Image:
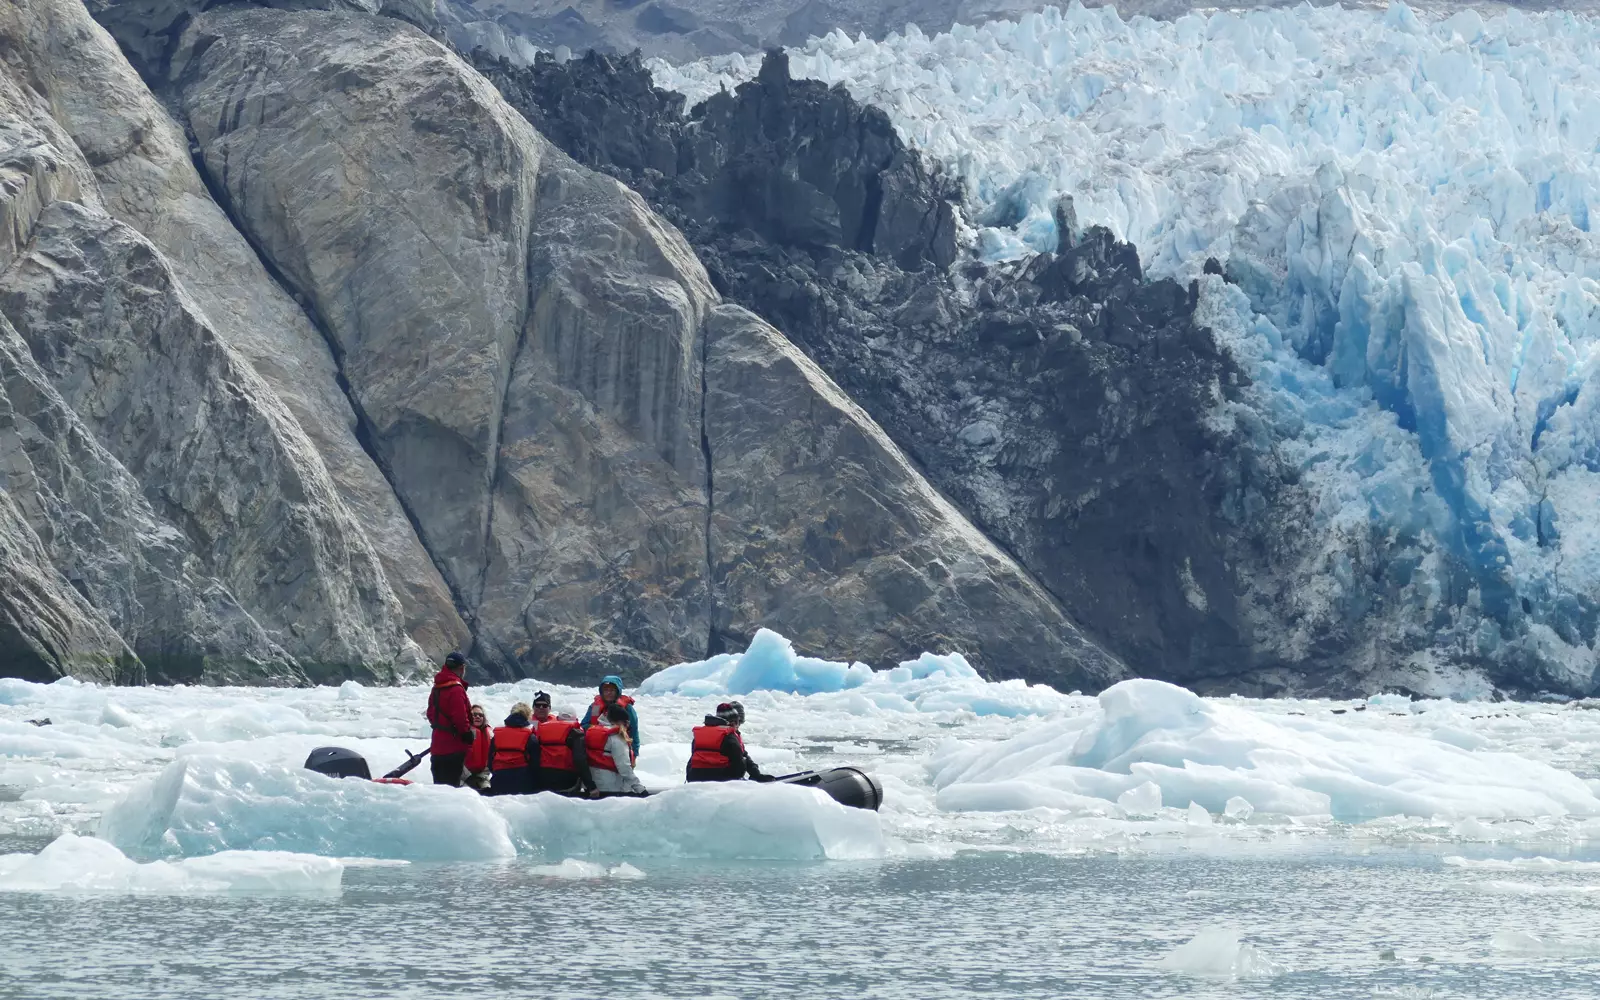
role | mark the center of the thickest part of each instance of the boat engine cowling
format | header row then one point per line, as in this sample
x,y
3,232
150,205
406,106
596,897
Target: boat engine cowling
x,y
337,762
847,786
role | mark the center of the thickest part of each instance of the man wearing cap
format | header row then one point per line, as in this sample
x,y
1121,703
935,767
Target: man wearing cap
x,y
718,753
449,714
559,765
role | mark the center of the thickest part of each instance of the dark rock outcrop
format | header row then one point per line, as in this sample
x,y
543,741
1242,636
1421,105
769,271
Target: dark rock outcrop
x,y
1063,403
798,163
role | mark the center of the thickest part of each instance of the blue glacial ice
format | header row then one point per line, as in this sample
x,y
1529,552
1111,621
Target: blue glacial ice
x,y
932,682
1402,202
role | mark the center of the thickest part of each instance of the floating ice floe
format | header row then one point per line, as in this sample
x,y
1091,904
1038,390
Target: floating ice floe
x,y
85,865
1219,953
713,820
1521,864
577,868
1154,745
204,805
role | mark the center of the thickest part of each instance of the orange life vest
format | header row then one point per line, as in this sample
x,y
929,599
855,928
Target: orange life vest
x,y
554,753
594,741
510,748
598,709
707,747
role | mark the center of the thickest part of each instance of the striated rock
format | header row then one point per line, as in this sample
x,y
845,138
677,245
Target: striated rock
x,y
562,493
392,190
47,629
142,174
218,456
598,550
144,583
822,530
149,30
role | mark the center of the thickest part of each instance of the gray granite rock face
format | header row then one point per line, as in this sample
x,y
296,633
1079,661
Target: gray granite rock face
x,y
393,190
822,530
219,458
598,551
347,358
100,111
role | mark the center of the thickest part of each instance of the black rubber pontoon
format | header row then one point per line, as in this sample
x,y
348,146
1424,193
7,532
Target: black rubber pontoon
x,y
337,762
847,786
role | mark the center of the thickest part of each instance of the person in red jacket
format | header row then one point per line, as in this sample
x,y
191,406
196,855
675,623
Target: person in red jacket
x,y
449,714
717,752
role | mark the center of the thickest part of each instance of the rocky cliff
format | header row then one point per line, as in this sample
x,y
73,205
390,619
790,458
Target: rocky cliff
x,y
1067,406
318,359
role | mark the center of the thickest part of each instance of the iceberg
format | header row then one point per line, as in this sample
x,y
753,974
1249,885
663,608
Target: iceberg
x,y
1403,204
204,805
1153,745
1218,953
930,683
85,865
712,820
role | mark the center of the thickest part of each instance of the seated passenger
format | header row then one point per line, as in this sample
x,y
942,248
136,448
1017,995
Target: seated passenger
x,y
611,694
561,766
512,754
718,753
476,764
610,755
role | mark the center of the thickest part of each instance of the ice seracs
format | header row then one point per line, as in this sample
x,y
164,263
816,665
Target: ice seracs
x,y
1403,204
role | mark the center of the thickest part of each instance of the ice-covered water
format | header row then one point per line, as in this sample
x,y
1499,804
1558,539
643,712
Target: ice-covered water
x,y
1403,202
1145,843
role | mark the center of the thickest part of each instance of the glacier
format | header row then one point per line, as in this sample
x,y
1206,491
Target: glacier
x,y
1400,202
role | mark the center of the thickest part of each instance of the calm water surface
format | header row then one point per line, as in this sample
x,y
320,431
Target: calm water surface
x,y
977,925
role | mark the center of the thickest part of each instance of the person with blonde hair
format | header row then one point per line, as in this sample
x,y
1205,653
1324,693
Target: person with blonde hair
x,y
513,754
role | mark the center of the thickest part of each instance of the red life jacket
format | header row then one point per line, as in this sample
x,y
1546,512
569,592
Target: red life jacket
x,y
597,711
594,741
478,750
510,748
554,753
707,747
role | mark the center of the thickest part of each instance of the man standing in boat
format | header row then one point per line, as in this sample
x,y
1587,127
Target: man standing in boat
x,y
449,713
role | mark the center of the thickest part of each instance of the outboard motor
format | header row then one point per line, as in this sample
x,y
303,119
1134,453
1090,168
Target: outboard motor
x,y
847,786
337,762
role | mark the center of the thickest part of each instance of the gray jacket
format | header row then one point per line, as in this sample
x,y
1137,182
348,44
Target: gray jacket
x,y
622,779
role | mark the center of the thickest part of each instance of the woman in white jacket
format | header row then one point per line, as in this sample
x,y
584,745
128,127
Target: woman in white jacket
x,y
611,755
